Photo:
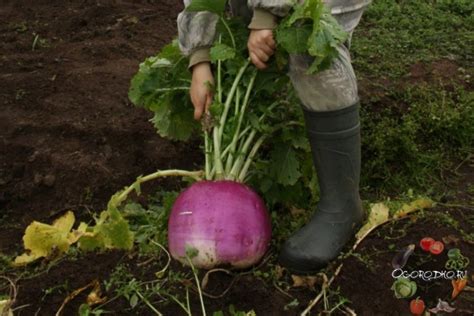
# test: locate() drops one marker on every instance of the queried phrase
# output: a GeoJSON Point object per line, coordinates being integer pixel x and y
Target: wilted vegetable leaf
{"type": "Point", "coordinates": [304, 281]}
{"type": "Point", "coordinates": [116, 234]}
{"type": "Point", "coordinates": [42, 240]}
{"type": "Point", "coordinates": [111, 231]}
{"type": "Point", "coordinates": [95, 296]}
{"type": "Point", "coordinates": [89, 243]}
{"type": "Point", "coordinates": [5, 308]}
{"type": "Point", "coordinates": [378, 215]}
{"type": "Point", "coordinates": [413, 206]}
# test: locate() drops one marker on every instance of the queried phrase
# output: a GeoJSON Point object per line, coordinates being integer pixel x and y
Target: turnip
{"type": "Point", "coordinates": [225, 220]}
{"type": "Point", "coordinates": [220, 218]}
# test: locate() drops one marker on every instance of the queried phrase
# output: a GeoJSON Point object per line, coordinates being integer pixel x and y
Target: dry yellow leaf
{"type": "Point", "coordinates": [5, 308]}
{"type": "Point", "coordinates": [95, 296]}
{"type": "Point", "coordinates": [379, 214]}
{"type": "Point", "coordinates": [42, 240]}
{"type": "Point", "coordinates": [65, 222]}
{"type": "Point", "coordinates": [413, 206]}
{"type": "Point", "coordinates": [304, 281]}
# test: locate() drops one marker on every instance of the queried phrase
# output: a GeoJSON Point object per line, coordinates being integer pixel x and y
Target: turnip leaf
{"type": "Point", "coordinates": [214, 6]}
{"type": "Point", "coordinates": [285, 165]}
{"type": "Point", "coordinates": [294, 39]}
{"type": "Point", "coordinates": [221, 52]}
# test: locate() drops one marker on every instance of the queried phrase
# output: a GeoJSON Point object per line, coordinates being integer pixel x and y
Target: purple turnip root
{"type": "Point", "coordinates": [225, 221]}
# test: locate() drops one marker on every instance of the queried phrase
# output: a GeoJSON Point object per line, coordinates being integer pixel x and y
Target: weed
{"type": "Point", "coordinates": [88, 195]}
{"type": "Point", "coordinates": [85, 310]}
{"type": "Point", "coordinates": [20, 27]}
{"type": "Point", "coordinates": [150, 222]}
{"type": "Point", "coordinates": [294, 303]}
{"type": "Point", "coordinates": [365, 259]}
{"type": "Point", "coordinates": [234, 312]}
{"type": "Point", "coordinates": [20, 94]}
{"type": "Point", "coordinates": [39, 42]}
{"type": "Point", "coordinates": [60, 289]}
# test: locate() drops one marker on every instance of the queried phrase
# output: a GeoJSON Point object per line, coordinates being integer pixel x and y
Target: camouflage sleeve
{"type": "Point", "coordinates": [196, 32]}
{"type": "Point", "coordinates": [265, 12]}
{"type": "Point", "coordinates": [276, 7]}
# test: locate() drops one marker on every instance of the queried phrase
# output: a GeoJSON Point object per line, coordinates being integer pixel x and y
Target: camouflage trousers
{"type": "Point", "coordinates": [336, 87]}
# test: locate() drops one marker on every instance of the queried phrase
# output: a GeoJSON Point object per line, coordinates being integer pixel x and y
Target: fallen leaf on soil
{"type": "Point", "coordinates": [442, 306]}
{"type": "Point", "coordinates": [95, 296]}
{"type": "Point", "coordinates": [378, 215]}
{"type": "Point", "coordinates": [43, 240]}
{"type": "Point", "coordinates": [413, 206]}
{"type": "Point", "coordinates": [304, 281]}
{"type": "Point", "coordinates": [458, 286]}
{"type": "Point", "coordinates": [5, 308]}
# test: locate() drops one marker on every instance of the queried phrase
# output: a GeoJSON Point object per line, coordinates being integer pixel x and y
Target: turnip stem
{"type": "Point", "coordinates": [122, 196]}
{"type": "Point", "coordinates": [219, 129]}
{"type": "Point", "coordinates": [271, 107]}
{"type": "Point", "coordinates": [229, 99]}
{"type": "Point", "coordinates": [230, 159]}
{"type": "Point", "coordinates": [235, 171]}
{"type": "Point", "coordinates": [217, 154]}
{"type": "Point", "coordinates": [219, 76]}
{"type": "Point", "coordinates": [228, 30]}
{"type": "Point", "coordinates": [188, 305]}
{"type": "Point", "coordinates": [227, 149]}
{"type": "Point", "coordinates": [237, 102]}
{"type": "Point", "coordinates": [207, 149]}
{"type": "Point", "coordinates": [253, 152]}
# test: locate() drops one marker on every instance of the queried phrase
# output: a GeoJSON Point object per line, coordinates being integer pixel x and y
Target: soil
{"type": "Point", "coordinates": [70, 139]}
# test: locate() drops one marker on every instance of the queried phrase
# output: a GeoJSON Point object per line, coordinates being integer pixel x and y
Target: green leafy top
{"type": "Point", "coordinates": [249, 106]}
{"type": "Point", "coordinates": [214, 6]}
{"type": "Point", "coordinates": [311, 29]}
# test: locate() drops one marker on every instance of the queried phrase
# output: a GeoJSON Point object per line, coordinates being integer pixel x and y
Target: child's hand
{"type": "Point", "coordinates": [200, 92]}
{"type": "Point", "coordinates": [261, 47]}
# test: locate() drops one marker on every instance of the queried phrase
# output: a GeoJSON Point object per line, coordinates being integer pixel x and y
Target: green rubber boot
{"type": "Point", "coordinates": [335, 143]}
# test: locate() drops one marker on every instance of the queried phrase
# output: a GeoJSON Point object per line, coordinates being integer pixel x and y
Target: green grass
{"type": "Point", "coordinates": [393, 35]}
{"type": "Point", "coordinates": [414, 127]}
